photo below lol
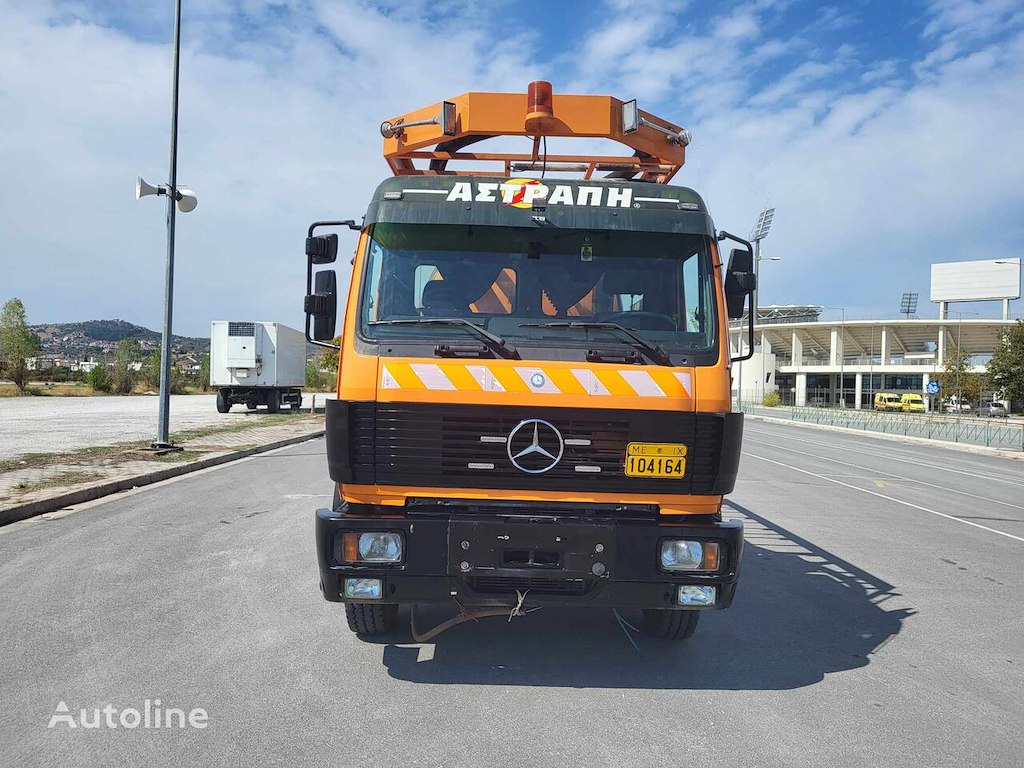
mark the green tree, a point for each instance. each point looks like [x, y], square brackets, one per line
[957, 376]
[329, 357]
[204, 372]
[99, 378]
[16, 342]
[1006, 368]
[151, 369]
[124, 377]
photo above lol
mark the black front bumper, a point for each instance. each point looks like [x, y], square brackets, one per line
[485, 559]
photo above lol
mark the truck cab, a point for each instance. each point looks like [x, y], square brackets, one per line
[533, 401]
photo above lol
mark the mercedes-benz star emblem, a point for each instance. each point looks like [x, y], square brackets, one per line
[535, 446]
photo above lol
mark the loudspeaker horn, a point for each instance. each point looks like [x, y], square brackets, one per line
[143, 188]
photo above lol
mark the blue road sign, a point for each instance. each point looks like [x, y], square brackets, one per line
[933, 388]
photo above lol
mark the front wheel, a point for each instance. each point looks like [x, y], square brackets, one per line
[223, 406]
[371, 619]
[273, 401]
[670, 624]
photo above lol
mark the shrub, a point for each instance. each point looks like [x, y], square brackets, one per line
[98, 378]
[771, 400]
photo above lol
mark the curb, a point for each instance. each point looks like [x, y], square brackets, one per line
[964, 447]
[41, 507]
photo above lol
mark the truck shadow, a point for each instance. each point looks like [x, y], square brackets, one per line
[799, 613]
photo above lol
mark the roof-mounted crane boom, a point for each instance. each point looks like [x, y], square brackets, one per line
[440, 133]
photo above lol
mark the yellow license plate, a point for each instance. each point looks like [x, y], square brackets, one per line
[655, 460]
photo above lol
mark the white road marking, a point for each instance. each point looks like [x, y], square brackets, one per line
[885, 472]
[889, 456]
[828, 479]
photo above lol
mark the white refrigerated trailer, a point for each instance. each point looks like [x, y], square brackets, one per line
[257, 363]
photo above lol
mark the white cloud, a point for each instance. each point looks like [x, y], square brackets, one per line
[872, 172]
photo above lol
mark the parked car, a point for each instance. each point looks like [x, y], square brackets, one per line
[954, 404]
[992, 409]
[913, 403]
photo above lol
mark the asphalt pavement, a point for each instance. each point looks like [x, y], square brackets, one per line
[878, 622]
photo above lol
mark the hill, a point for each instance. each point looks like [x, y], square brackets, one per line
[100, 337]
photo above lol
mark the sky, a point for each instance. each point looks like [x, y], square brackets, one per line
[887, 134]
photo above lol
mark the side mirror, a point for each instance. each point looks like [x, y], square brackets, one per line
[322, 249]
[740, 282]
[322, 304]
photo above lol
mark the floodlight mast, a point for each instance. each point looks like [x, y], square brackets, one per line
[759, 233]
[908, 304]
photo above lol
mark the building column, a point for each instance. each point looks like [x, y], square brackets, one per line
[835, 349]
[883, 355]
[858, 389]
[801, 389]
[940, 347]
[798, 349]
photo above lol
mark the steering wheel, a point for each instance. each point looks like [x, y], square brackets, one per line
[642, 321]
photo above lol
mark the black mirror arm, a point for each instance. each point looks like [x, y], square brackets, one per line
[309, 274]
[723, 235]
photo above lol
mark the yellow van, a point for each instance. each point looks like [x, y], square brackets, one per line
[887, 401]
[912, 403]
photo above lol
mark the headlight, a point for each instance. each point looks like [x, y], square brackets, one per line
[681, 555]
[372, 547]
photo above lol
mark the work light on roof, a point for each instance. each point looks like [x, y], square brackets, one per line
[632, 120]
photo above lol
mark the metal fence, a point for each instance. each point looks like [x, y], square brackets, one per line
[995, 433]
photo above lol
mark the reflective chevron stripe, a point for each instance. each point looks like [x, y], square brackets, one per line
[601, 382]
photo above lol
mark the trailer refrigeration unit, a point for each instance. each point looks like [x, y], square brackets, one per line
[257, 364]
[534, 401]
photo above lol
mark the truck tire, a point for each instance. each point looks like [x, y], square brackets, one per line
[273, 401]
[223, 406]
[670, 624]
[371, 619]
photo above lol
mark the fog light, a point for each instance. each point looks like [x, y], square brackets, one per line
[363, 589]
[680, 555]
[690, 595]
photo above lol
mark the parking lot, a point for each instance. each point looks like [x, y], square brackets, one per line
[48, 424]
[877, 622]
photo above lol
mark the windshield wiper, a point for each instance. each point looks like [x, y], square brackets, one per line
[654, 352]
[498, 344]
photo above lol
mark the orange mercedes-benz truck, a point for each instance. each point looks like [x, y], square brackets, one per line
[534, 388]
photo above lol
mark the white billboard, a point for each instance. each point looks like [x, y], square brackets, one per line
[976, 280]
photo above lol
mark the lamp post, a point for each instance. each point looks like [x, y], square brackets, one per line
[757, 260]
[842, 344]
[177, 198]
[959, 358]
[759, 233]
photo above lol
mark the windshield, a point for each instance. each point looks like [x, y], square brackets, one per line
[547, 287]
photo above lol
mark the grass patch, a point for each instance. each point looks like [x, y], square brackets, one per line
[65, 478]
[134, 451]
